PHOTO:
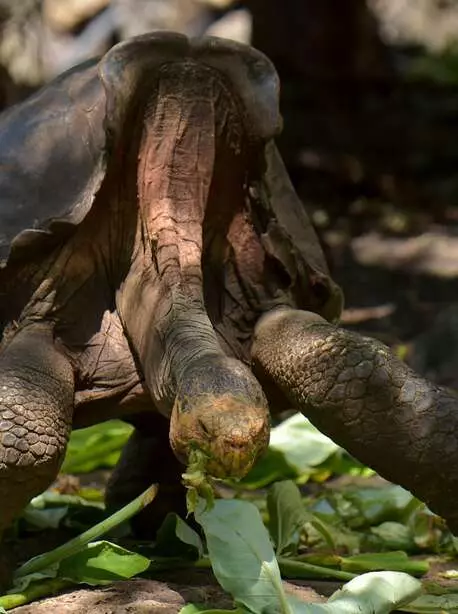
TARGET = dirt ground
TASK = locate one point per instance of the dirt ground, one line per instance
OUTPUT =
(150, 596)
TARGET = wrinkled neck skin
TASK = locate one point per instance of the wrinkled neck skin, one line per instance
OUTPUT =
(191, 167)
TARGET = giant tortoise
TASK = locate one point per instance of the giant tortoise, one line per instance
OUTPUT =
(157, 265)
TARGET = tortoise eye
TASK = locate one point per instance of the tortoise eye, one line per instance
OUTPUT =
(204, 427)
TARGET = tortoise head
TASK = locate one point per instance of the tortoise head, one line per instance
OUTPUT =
(221, 410)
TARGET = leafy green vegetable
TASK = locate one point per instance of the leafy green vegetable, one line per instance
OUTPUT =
(43, 561)
(294, 568)
(376, 592)
(196, 480)
(96, 446)
(80, 561)
(433, 604)
(48, 509)
(303, 445)
(361, 563)
(394, 536)
(242, 556)
(296, 448)
(371, 593)
(51, 498)
(46, 518)
(102, 563)
(287, 516)
(244, 564)
(429, 532)
(299, 451)
(95, 564)
(270, 467)
(176, 538)
(365, 506)
(392, 561)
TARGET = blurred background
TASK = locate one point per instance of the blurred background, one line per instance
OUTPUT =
(370, 105)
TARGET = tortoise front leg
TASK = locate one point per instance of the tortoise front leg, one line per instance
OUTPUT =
(36, 406)
(358, 393)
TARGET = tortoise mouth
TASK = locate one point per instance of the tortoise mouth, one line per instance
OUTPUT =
(229, 431)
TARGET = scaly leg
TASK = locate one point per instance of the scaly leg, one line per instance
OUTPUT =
(368, 401)
(36, 406)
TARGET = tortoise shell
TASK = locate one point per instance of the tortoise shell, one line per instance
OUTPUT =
(55, 146)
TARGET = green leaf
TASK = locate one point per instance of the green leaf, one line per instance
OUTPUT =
(75, 545)
(363, 507)
(48, 509)
(51, 498)
(102, 563)
(176, 538)
(327, 530)
(392, 561)
(299, 451)
(34, 579)
(371, 593)
(302, 445)
(96, 446)
(196, 480)
(394, 536)
(49, 518)
(429, 531)
(341, 463)
(244, 564)
(376, 505)
(294, 568)
(97, 563)
(434, 604)
(242, 556)
(270, 467)
(286, 514)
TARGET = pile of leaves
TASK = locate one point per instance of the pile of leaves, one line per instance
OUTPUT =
(307, 510)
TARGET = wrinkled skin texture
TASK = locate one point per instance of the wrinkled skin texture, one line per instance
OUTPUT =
(146, 223)
(354, 390)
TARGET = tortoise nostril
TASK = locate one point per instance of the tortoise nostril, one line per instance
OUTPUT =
(237, 445)
(238, 439)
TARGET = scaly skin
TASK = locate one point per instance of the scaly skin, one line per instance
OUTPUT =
(358, 393)
(36, 406)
